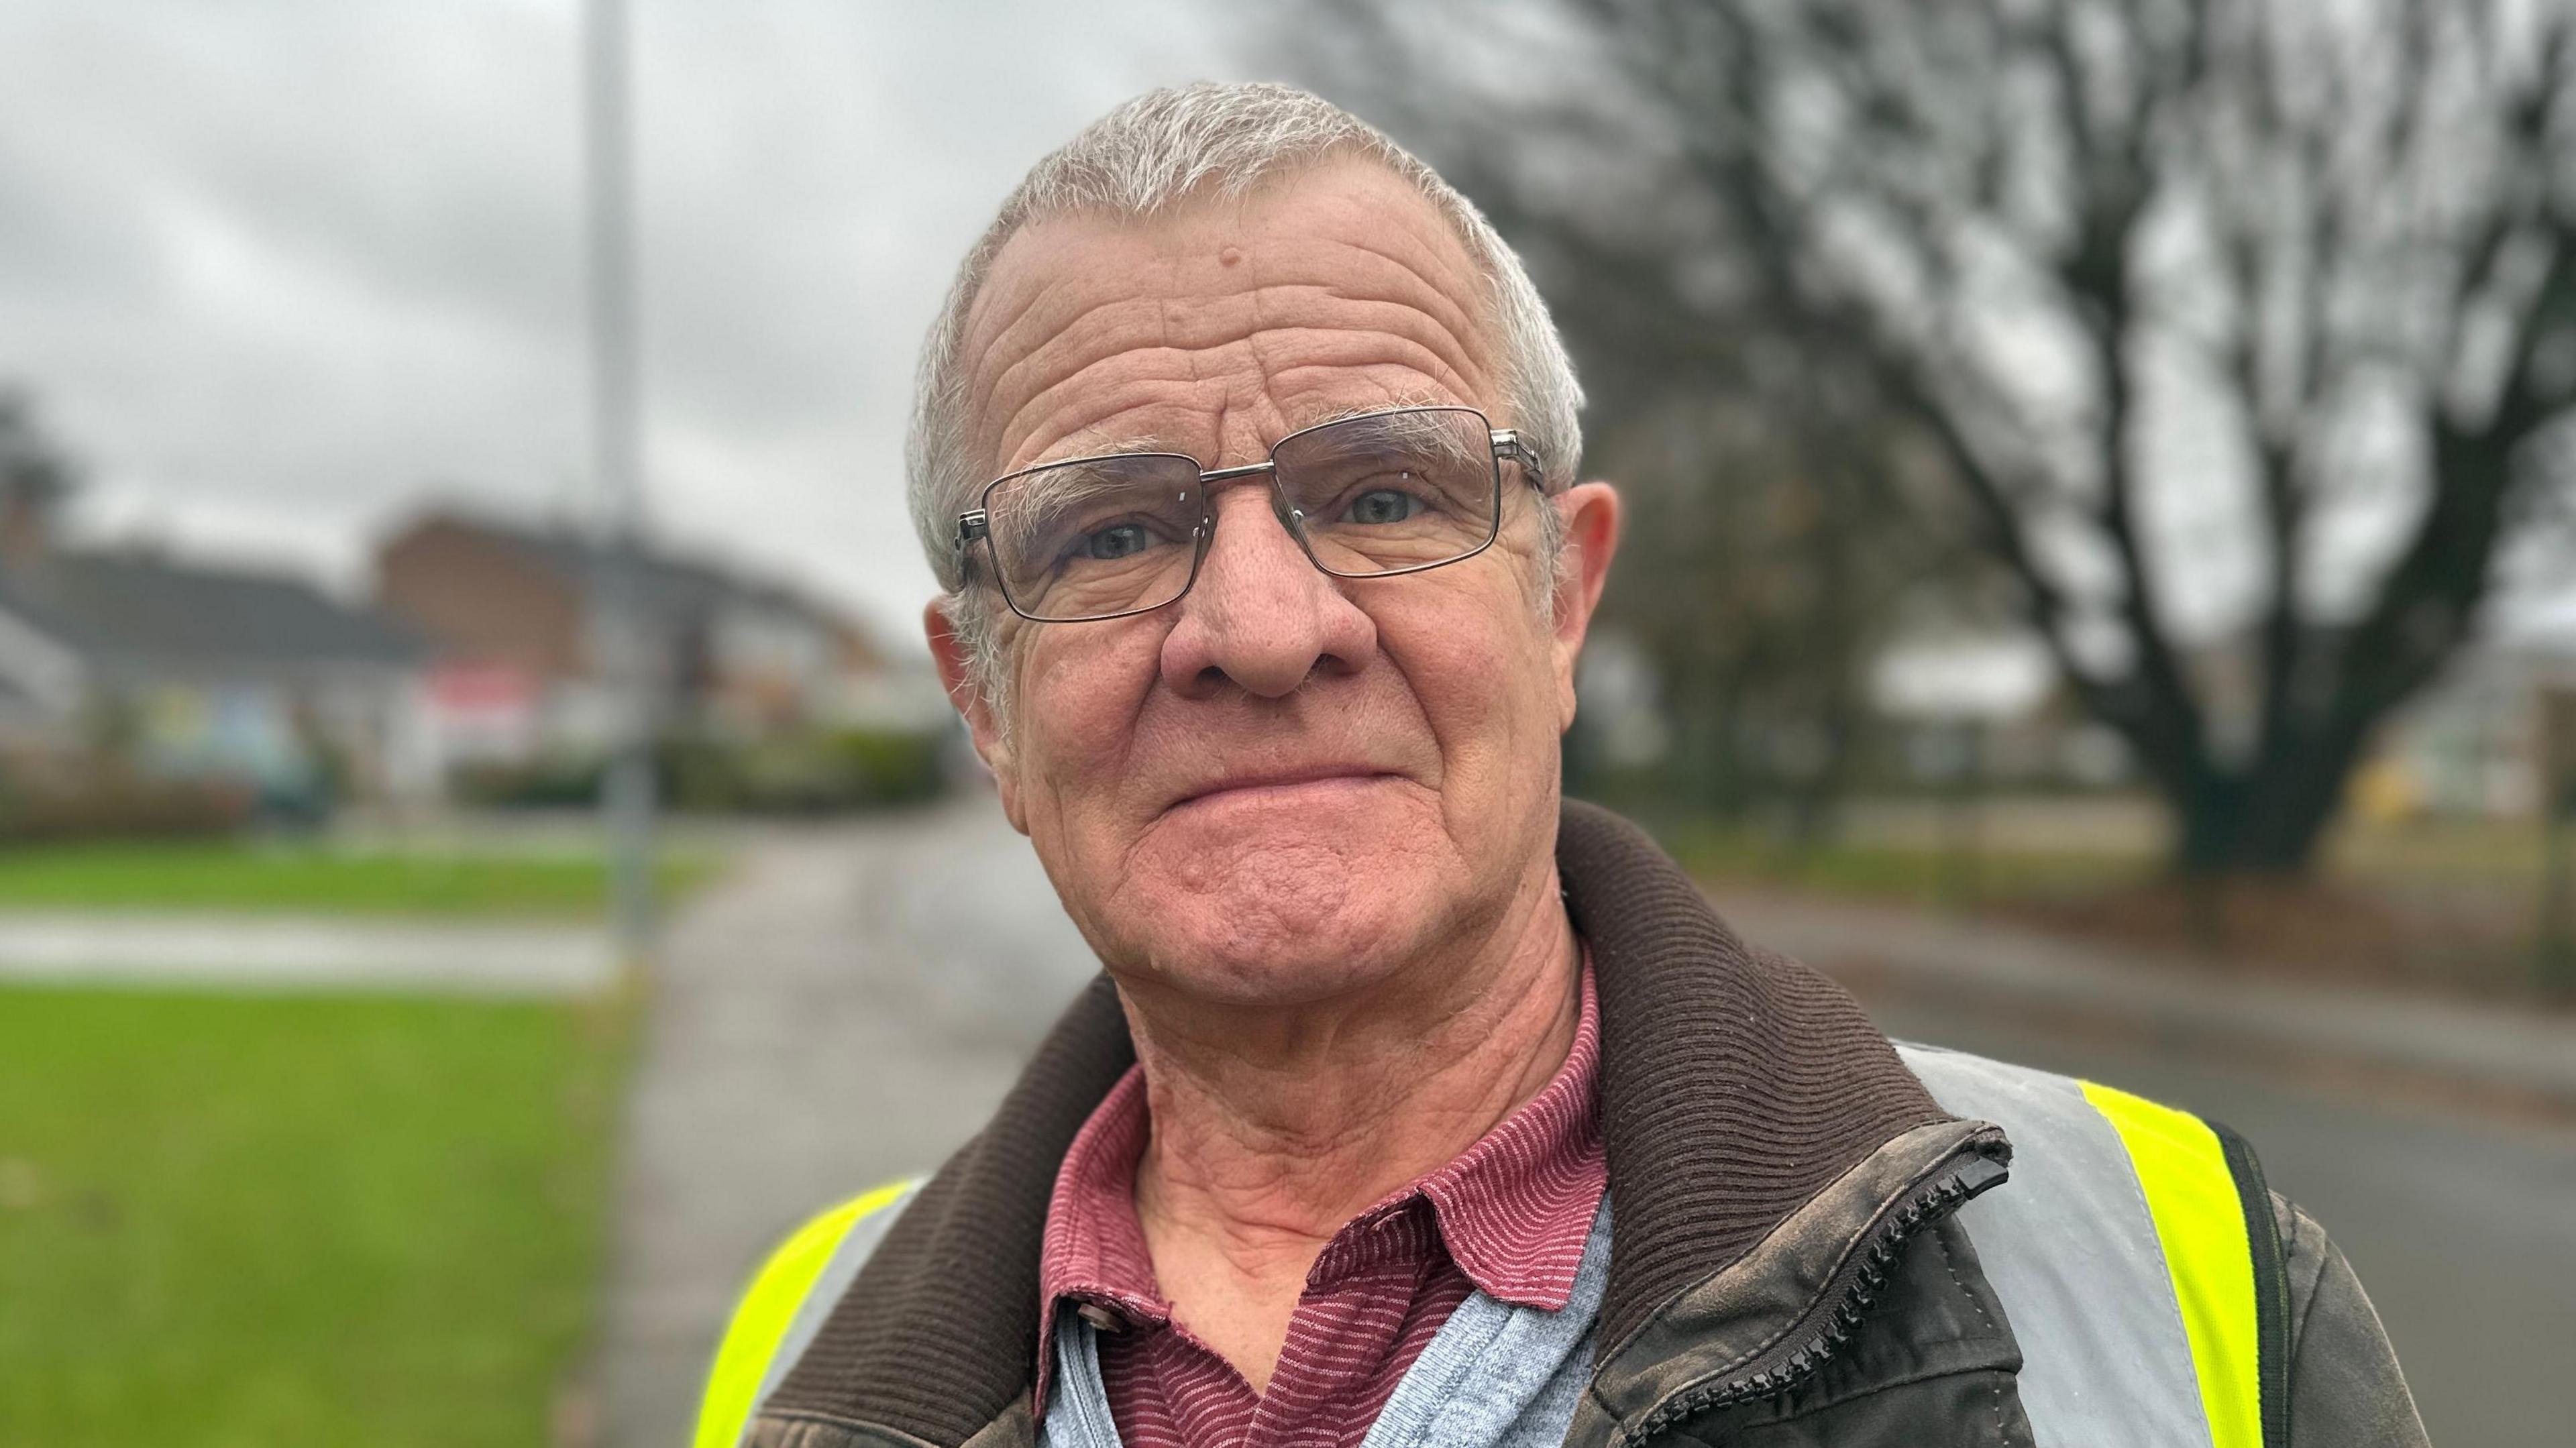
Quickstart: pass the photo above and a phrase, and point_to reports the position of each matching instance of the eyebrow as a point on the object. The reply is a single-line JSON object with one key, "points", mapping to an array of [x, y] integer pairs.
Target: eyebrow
{"points": [[1083, 446], [1420, 397], [1407, 426], [1080, 448], [1051, 491]]}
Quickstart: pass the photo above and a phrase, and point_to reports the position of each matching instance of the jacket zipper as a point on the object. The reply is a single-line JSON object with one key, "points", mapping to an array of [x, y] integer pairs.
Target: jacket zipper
{"points": [[1978, 1165]]}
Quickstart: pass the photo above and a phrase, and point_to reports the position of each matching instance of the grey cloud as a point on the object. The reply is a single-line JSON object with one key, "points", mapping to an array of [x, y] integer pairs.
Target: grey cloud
{"points": [[312, 262]]}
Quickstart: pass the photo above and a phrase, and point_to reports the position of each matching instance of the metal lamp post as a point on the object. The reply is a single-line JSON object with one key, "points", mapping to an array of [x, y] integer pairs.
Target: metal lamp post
{"points": [[626, 650]]}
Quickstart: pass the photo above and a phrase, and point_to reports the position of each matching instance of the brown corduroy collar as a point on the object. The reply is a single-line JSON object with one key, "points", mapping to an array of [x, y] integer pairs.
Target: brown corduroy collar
{"points": [[1735, 1085]]}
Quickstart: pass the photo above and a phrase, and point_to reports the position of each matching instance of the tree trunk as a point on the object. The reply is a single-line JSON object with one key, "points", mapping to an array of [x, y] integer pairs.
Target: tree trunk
{"points": [[2258, 821]]}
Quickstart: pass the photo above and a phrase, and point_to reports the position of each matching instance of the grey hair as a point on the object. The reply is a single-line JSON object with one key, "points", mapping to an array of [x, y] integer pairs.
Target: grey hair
{"points": [[1145, 159]]}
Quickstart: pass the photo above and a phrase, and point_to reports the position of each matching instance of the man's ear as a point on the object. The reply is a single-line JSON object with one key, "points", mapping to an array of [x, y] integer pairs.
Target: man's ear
{"points": [[983, 726], [1591, 514]]}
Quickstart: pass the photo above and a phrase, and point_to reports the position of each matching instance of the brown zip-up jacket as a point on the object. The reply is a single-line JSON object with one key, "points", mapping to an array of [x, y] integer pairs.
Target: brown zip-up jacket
{"points": [[1785, 1269]]}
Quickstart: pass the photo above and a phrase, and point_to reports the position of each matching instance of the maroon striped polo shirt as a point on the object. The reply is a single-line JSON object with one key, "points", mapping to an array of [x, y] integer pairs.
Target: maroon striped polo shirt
{"points": [[1510, 1215]]}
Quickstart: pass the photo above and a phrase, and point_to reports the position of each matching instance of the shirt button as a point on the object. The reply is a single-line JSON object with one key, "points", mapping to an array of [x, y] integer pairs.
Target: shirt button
{"points": [[1100, 1317]]}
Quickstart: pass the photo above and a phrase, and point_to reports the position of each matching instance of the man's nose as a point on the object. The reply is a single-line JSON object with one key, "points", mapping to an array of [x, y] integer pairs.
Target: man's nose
{"points": [[1261, 617]]}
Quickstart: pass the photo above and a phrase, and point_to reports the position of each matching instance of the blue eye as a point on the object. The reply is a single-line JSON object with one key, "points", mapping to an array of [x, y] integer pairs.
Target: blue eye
{"points": [[1383, 505], [1116, 542]]}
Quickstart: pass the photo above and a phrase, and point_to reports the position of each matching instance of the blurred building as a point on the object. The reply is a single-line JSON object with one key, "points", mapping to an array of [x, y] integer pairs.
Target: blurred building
{"points": [[181, 669], [2476, 742], [511, 613], [1992, 707]]}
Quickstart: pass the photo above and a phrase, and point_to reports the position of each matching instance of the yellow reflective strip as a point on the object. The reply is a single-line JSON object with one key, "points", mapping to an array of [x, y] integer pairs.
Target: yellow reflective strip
{"points": [[2201, 1226], [761, 1319]]}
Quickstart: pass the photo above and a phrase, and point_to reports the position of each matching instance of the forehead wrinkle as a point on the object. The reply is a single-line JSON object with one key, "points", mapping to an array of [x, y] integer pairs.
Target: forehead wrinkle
{"points": [[1418, 339], [1378, 281], [1064, 424], [1042, 284], [1317, 383], [991, 387], [1406, 301], [1405, 321], [1066, 408], [1429, 242], [1095, 331], [1426, 359], [1459, 321]]}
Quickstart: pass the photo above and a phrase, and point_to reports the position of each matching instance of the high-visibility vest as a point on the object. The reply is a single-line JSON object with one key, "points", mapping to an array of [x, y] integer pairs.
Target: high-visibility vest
{"points": [[791, 1295], [2135, 1252], [2137, 1255]]}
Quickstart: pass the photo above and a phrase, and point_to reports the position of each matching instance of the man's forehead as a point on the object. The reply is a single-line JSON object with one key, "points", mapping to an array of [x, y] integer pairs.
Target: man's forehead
{"points": [[1335, 291]]}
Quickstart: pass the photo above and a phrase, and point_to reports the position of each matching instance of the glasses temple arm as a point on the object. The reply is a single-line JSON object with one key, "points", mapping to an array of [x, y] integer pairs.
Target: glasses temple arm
{"points": [[1508, 444]]}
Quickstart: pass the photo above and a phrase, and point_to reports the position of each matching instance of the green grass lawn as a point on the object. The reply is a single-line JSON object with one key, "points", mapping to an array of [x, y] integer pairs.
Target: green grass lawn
{"points": [[1925, 869], [260, 875], [2439, 904], [272, 1222], [1910, 872]]}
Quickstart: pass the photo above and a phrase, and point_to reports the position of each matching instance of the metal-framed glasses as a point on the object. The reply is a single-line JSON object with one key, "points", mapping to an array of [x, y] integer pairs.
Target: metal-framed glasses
{"points": [[1370, 496]]}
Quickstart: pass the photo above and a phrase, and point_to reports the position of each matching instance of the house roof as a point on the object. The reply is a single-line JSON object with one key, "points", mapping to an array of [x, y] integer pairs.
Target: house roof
{"points": [[673, 587], [135, 608], [676, 589]]}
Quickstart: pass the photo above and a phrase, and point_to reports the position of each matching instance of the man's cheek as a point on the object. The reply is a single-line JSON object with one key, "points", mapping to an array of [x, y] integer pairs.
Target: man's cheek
{"points": [[1076, 747]]}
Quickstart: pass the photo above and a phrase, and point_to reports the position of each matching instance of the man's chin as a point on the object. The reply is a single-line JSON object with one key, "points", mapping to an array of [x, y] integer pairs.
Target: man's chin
{"points": [[1301, 926], [1256, 957], [1280, 895]]}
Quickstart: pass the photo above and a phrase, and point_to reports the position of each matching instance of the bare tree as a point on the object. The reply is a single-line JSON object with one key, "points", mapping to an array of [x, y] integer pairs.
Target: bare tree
{"points": [[2245, 329], [1777, 538], [36, 476], [31, 464]]}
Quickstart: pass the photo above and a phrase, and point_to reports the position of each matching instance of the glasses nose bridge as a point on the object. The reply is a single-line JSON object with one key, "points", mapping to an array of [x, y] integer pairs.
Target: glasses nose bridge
{"points": [[1282, 511], [1210, 477]]}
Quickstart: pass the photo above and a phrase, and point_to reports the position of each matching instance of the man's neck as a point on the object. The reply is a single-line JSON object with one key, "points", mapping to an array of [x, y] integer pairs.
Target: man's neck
{"points": [[1268, 1138]]}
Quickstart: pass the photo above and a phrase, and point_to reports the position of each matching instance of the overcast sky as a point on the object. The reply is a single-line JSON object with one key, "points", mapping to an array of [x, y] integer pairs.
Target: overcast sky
{"points": [[282, 273]]}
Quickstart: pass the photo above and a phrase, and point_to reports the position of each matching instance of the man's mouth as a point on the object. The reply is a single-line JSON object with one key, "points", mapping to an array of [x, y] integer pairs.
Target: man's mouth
{"points": [[1254, 783]]}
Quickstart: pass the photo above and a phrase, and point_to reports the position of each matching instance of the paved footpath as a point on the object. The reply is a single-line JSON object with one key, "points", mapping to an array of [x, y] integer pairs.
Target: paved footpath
{"points": [[285, 952], [844, 1008], [2496, 1047]]}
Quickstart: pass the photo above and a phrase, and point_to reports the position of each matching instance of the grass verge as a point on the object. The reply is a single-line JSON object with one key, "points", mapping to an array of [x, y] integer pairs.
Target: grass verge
{"points": [[296, 1221], [269, 876], [2448, 906], [1905, 872]]}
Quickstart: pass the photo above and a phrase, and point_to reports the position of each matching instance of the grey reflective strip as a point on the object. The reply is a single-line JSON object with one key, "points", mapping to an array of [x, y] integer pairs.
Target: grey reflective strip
{"points": [[2069, 1246], [856, 1246]]}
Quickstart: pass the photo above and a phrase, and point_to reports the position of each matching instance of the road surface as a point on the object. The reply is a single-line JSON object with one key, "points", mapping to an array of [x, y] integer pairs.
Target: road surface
{"points": [[2462, 1228], [851, 1003]]}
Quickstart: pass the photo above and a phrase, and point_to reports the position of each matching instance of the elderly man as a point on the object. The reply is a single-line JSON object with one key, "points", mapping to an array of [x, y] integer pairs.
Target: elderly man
{"points": [[1415, 1106]]}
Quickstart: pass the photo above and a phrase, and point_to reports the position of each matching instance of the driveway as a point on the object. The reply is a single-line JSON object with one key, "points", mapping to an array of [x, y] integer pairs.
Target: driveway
{"points": [[844, 1008]]}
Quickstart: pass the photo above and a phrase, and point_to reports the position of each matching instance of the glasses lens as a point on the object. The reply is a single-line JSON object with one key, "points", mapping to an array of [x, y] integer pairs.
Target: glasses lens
{"points": [[1393, 491], [1098, 537]]}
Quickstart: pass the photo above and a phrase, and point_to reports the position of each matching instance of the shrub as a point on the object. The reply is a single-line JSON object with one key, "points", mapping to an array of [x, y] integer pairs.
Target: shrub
{"points": [[81, 798], [819, 772]]}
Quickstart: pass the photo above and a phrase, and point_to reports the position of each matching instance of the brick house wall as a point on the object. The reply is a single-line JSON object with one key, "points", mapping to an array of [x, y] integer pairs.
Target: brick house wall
{"points": [[477, 596]]}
